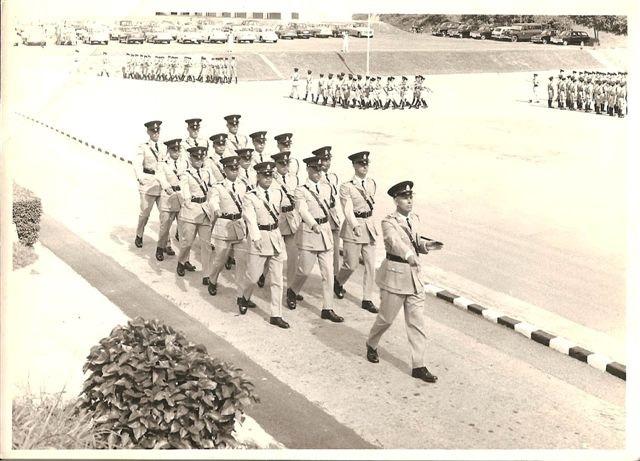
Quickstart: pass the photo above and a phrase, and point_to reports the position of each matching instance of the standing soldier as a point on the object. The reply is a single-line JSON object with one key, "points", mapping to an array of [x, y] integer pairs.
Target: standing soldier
{"points": [[588, 94], [168, 174], [322, 84], [229, 229], [259, 140], [400, 283], [314, 239], [562, 92], [236, 140], [535, 83], [195, 213], [308, 88], [621, 95], [265, 244], [105, 64], [214, 159], [358, 231], [551, 90], [233, 70], [295, 80], [145, 165], [580, 93], [330, 88], [611, 98]]}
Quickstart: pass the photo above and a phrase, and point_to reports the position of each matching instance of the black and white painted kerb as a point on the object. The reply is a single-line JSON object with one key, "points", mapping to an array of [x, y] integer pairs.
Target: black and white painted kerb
{"points": [[558, 343]]}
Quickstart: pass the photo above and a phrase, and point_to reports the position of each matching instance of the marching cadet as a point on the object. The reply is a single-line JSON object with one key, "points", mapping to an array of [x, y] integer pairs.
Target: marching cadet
{"points": [[332, 180], [579, 92], [186, 66], [378, 93], [321, 93], [259, 140], [535, 83], [330, 88], [308, 88], [194, 139], [400, 283], [195, 213], [314, 239], [145, 165], [295, 80], [213, 160], [246, 175], [168, 173], [551, 92], [266, 246], [358, 231], [229, 229], [621, 97], [404, 86], [611, 98], [423, 92], [236, 140], [233, 70]]}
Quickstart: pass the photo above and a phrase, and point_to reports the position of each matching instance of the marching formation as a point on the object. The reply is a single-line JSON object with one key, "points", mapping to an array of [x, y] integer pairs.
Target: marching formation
{"points": [[173, 69], [250, 210], [356, 91], [589, 91]]}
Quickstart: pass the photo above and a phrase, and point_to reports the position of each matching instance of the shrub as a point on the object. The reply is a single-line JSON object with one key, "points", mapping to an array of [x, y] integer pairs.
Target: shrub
{"points": [[23, 255], [153, 388], [27, 210]]}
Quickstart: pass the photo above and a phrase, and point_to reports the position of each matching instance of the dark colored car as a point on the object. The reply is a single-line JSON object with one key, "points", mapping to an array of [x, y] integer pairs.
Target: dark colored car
{"points": [[523, 32], [463, 31], [303, 32], [132, 37], [572, 37], [481, 33], [443, 28], [285, 33], [544, 37]]}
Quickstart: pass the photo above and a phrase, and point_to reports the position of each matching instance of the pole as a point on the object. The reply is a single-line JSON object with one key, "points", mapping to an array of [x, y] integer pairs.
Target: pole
{"points": [[368, 40]]}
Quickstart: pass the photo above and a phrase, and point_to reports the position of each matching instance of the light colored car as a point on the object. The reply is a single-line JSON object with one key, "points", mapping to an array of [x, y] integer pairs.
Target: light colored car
{"points": [[361, 30], [66, 36], [321, 31], [34, 36], [286, 33], [218, 36], [97, 37], [190, 36], [244, 35], [501, 33], [162, 37], [267, 35]]}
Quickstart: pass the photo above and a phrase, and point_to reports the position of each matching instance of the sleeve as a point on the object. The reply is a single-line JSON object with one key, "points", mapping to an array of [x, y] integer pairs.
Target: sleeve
{"points": [[422, 244], [347, 205], [214, 200], [138, 162], [184, 188], [393, 241], [249, 215], [161, 175], [302, 208]]}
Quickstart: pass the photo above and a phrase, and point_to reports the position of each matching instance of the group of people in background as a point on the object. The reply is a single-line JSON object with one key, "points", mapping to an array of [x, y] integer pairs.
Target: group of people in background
{"points": [[175, 69], [588, 91], [362, 92]]}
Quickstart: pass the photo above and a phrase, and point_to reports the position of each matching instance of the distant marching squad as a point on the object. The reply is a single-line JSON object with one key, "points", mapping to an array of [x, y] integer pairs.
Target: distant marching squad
{"points": [[173, 69], [250, 210]]}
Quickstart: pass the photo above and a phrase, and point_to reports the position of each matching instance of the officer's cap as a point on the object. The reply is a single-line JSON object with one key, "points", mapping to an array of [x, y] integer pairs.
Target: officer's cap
{"points": [[197, 151], [295, 69], [323, 152], [309, 71], [259, 136], [265, 168], [360, 157], [193, 123], [284, 138], [233, 119], [244, 153], [281, 157], [230, 162], [219, 138], [153, 125], [313, 162], [404, 188], [173, 142], [405, 78], [321, 75], [330, 75]]}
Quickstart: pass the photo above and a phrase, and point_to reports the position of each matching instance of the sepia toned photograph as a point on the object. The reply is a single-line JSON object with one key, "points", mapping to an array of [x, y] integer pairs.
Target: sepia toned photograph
{"points": [[284, 229]]}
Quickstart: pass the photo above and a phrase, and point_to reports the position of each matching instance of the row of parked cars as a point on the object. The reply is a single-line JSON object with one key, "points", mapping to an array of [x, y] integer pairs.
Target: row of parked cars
{"points": [[524, 32]]}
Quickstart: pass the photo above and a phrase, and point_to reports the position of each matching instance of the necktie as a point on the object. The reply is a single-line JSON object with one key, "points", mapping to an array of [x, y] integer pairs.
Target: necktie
{"points": [[236, 136], [233, 187], [363, 185], [157, 150], [317, 190], [409, 224], [198, 171], [196, 142], [266, 193]]}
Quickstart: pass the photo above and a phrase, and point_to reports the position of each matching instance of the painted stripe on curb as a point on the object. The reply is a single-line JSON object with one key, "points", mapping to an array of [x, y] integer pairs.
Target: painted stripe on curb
{"points": [[462, 302], [525, 329]]}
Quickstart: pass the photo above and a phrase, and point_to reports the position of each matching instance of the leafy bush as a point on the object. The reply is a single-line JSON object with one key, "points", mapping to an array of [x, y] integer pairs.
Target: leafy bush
{"points": [[153, 388], [50, 422], [27, 210], [23, 255]]}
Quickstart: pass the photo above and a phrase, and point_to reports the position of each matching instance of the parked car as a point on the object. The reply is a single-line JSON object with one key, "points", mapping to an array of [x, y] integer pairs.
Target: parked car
{"points": [[285, 33], [217, 36], [173, 32], [321, 31], [34, 36], [266, 35], [162, 37], [361, 30], [244, 35], [523, 32], [66, 36], [115, 33], [132, 37], [544, 37], [190, 36], [302, 31], [500, 33], [481, 33], [463, 31], [416, 29], [97, 37], [441, 29], [572, 37]]}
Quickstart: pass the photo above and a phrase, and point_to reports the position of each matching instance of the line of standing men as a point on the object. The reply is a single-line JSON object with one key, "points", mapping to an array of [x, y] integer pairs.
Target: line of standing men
{"points": [[250, 209], [169, 68]]}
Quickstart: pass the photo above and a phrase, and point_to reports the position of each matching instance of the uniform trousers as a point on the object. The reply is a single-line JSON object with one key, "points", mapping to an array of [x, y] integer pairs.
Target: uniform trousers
{"points": [[223, 249], [390, 304], [336, 250], [188, 233], [166, 219], [350, 260], [146, 204], [253, 269], [306, 261]]}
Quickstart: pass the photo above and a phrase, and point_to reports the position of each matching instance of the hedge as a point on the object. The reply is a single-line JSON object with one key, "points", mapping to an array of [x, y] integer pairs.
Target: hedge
{"points": [[27, 210]]}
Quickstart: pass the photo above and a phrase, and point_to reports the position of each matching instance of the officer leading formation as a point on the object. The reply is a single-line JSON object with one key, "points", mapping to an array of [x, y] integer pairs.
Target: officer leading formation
{"points": [[251, 211]]}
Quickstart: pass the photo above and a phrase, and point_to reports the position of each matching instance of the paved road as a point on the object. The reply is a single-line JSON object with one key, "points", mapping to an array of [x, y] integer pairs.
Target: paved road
{"points": [[496, 389]]}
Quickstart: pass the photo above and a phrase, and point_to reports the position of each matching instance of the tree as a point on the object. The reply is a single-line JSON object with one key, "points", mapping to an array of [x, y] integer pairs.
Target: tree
{"points": [[614, 24]]}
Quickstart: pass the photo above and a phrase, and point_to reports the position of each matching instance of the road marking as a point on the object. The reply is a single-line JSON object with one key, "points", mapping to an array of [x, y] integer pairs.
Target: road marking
{"points": [[561, 345], [598, 361], [272, 66], [492, 315], [462, 302], [525, 329]]}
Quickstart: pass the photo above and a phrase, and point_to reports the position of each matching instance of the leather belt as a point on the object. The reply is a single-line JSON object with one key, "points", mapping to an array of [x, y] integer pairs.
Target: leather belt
{"points": [[231, 216], [321, 220], [268, 227], [148, 171], [397, 259], [198, 199], [362, 214], [285, 209], [175, 188]]}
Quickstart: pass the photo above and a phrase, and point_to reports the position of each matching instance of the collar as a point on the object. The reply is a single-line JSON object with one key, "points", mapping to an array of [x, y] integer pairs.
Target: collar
{"points": [[358, 181], [401, 217], [312, 184], [228, 182]]}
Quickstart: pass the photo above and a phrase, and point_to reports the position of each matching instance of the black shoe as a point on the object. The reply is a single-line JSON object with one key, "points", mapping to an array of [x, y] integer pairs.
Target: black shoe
{"points": [[291, 299], [180, 269], [250, 304], [212, 288], [230, 262], [159, 254], [328, 314], [190, 267], [177, 238], [241, 305], [372, 355], [169, 251], [338, 289], [138, 241], [369, 306], [299, 298], [261, 281], [205, 281], [423, 374], [279, 322]]}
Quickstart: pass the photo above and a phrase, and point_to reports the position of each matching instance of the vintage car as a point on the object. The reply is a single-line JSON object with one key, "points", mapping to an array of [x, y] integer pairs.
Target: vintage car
{"points": [[190, 36], [463, 31], [544, 37], [96, 37], [442, 29], [162, 37], [244, 35], [133, 36], [321, 31], [286, 33], [501, 33], [266, 35], [66, 36], [572, 37], [361, 30], [481, 33], [302, 31], [523, 32], [34, 36]]}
